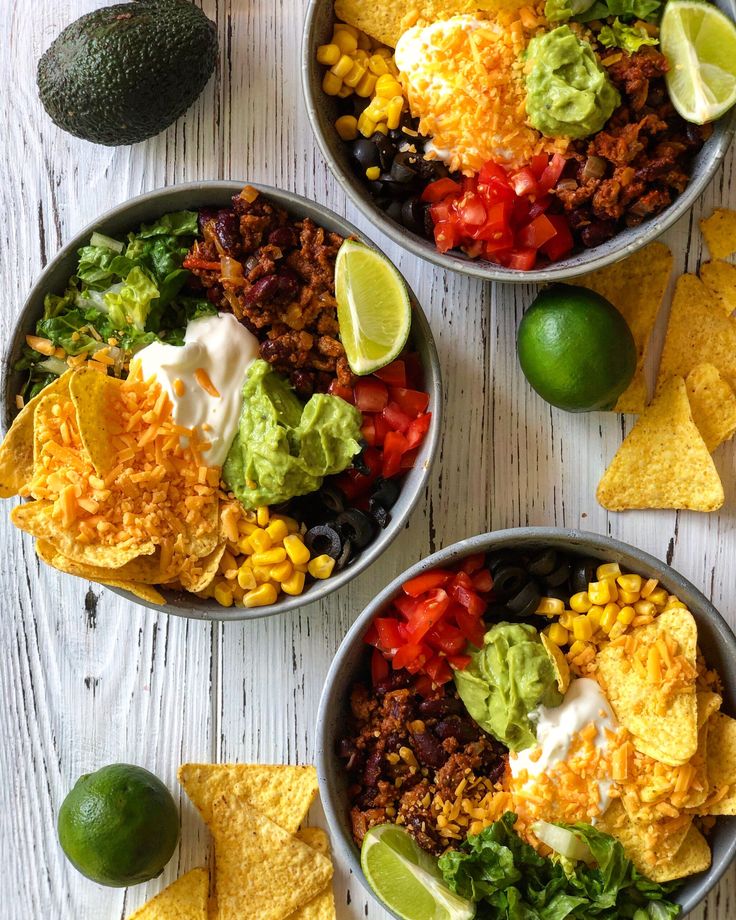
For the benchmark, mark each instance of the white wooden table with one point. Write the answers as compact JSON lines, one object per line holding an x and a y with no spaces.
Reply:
{"x":87,"y":679}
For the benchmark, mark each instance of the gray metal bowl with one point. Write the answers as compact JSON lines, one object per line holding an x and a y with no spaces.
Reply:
{"x":322,"y":111}
{"x":714,"y":637}
{"x":121,"y":220}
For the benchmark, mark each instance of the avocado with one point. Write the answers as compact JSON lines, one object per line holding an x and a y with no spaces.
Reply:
{"x":124,"y":73}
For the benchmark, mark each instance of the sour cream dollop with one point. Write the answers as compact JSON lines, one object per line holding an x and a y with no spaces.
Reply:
{"x":217,"y":349}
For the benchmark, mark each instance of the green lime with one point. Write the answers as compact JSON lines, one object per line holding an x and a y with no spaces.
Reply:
{"x":407,"y":879}
{"x":119,"y":826}
{"x":576,"y":349}
{"x":372,"y":307}
{"x":699,"y":41}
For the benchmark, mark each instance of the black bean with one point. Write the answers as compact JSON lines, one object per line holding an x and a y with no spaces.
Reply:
{"x":598,"y":232}
{"x":356,"y":527}
{"x":454,"y":727}
{"x":288,"y":284}
{"x":365,"y":153}
{"x":322,"y":539}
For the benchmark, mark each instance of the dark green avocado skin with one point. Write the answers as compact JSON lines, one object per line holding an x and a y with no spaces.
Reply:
{"x":124,"y":73}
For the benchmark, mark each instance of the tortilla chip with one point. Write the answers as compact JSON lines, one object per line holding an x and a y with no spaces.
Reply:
{"x":143,"y":569}
{"x":669,"y":735}
{"x":36,"y":518}
{"x":185,"y":899}
{"x":16,"y":450}
{"x":559,"y":663}
{"x":389,"y":20}
{"x":197,"y":578}
{"x":145,"y":592}
{"x":323,"y":906}
{"x":720,"y":280}
{"x":261,"y":870}
{"x":698,"y":332}
{"x":708,"y":702}
{"x":719,"y":231}
{"x":95,"y":399}
{"x":664,"y":461}
{"x":636,"y":287}
{"x":282,"y":793}
{"x":713,"y":405}
{"x":721,"y":766}
{"x":693,"y":856}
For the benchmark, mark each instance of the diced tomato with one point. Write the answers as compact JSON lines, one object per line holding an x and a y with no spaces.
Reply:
{"x":394,"y":374}
{"x":443,"y":211}
{"x":382,"y":429}
{"x":467,"y":597}
{"x":462,"y":579}
{"x":497,"y":225}
{"x":540,"y":205}
{"x":354,"y":483}
{"x":394,"y":445}
{"x":337,"y":389}
{"x":537,"y":233}
{"x":446,"y":638}
{"x":471,"y":210}
{"x":414,"y":369}
{"x":371,"y":395}
{"x":483,"y":581}
{"x":524,"y":182}
{"x":407,"y":606}
{"x":379,"y":667}
{"x":396,"y":418}
{"x":552,"y":172}
{"x":473,"y":249}
{"x":539,"y":164}
{"x":562,"y":242}
{"x":371,"y":635}
{"x":473,"y":563}
{"x":431,"y":609}
{"x":417,"y":429}
{"x":368,"y":430}
{"x":447,"y":235}
{"x":389,"y":638}
{"x":440,"y":189}
{"x":424,"y":687}
{"x":413,"y":654}
{"x":459,"y":661}
{"x":417,"y":586}
{"x":471,"y":627}
{"x":439,"y":670}
{"x":523,"y":259}
{"x":409,"y":459}
{"x":413,"y":402}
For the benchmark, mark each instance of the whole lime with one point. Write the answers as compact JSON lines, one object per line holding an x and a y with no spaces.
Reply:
{"x":119,"y":826}
{"x":576,"y":349}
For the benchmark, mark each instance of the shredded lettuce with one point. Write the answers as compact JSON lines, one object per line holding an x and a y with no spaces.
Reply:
{"x":511,"y":881}
{"x":562,"y":10}
{"x":588,"y":10}
{"x":629,"y":38}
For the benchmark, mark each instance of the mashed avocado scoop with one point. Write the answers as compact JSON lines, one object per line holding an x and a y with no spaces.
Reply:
{"x":506,"y":680}
{"x":283,"y":448}
{"x":568,"y":92}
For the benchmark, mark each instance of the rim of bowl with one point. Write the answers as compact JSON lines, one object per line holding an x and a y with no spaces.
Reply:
{"x":570,"y":540}
{"x":416,"y":478}
{"x":631,"y":239}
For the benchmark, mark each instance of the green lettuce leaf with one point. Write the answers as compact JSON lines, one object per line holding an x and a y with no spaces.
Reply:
{"x":131,"y":304}
{"x":629,"y":38}
{"x":177,"y":223}
{"x":100,"y":266}
{"x":562,"y":10}
{"x":647,"y":10}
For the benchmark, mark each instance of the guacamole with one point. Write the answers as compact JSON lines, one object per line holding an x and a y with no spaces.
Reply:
{"x":568,"y":92}
{"x":507,"y":679}
{"x":283,"y":448}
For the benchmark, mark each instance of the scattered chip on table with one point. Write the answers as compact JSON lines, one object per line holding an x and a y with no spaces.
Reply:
{"x":719,"y":231}
{"x":261,"y":870}
{"x":698,"y":332}
{"x":664,"y":461}
{"x":184,"y":899}
{"x":636,"y":287}
{"x":323,"y":906}
{"x":713,"y":405}
{"x":720,"y":280}
{"x":282,"y":793}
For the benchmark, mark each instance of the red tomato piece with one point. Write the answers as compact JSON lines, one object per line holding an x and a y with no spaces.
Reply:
{"x":368,"y":430}
{"x":469,"y":599}
{"x":539,"y":164}
{"x":346,"y":393}
{"x":409,"y":459}
{"x":471,"y":627}
{"x":394,"y":374}
{"x":524,"y":182}
{"x":394,"y":445}
{"x":446,"y":638}
{"x":447,"y":234}
{"x":523,"y":259}
{"x":424,"y":687}
{"x":418,"y":585}
{"x":431,"y":609}
{"x":408,"y":654}
{"x":562,"y":242}
{"x":416,"y":665}
{"x":406,"y":605}
{"x":371,"y":635}
{"x":371,"y":395}
{"x":389,"y":638}
{"x":379,"y":667}
{"x":459,"y":661}
{"x":382,"y":429}
{"x":483,"y":581}
{"x":472,"y":563}
{"x":413,"y":402}
{"x":417,"y":429}
{"x":537,"y":233}
{"x":396,"y":418}
{"x":440,"y":189}
{"x":541,"y":203}
{"x":549,"y":178}
{"x":439,"y":670}
{"x":471,"y":210}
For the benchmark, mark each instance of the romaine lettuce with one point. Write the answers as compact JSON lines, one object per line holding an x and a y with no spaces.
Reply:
{"x":629,"y":38}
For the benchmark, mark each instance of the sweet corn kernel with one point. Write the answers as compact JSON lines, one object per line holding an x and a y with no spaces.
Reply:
{"x":608,"y":570}
{"x":238,"y":592}
{"x":328,"y":54}
{"x":626,"y":615}
{"x":361,"y":55}
{"x":331,"y":85}
{"x":321,"y":566}
{"x":367,"y":85}
{"x":296,"y":550}
{"x":364,"y":42}
{"x":260,"y":541}
{"x":567,"y":619}
{"x":582,"y":628}
{"x":345,"y":91}
{"x":644,"y":608}
{"x":282,"y":571}
{"x":302,"y":567}
{"x":388,"y":86}
{"x":260,"y":596}
{"x":550,"y":606}
{"x":612,"y":587}
{"x":244,"y":546}
{"x":377,"y":65}
{"x":599,"y":592}
{"x":246,"y":578}
{"x":345,"y":41}
{"x":649,"y":585}
{"x":558,"y":634}
{"x":373,"y":173}
{"x":630,"y":582}
{"x":291,"y":524}
{"x":345,"y":27}
{"x":659,"y":597}
{"x":382,"y":128}
{"x":385,"y":53}
{"x":262,"y":573}
{"x":376,"y":109}
{"x":223,"y":595}
{"x":343,"y":67}
{"x":263,"y":516}
{"x":228,"y":563}
{"x":277,"y":530}
{"x":366,"y":125}
{"x":576,"y":648}
{"x":595,"y":614}
{"x":628,"y":597}
{"x":269,"y":557}
{"x":580,"y":602}
{"x":673,"y":601}
{"x":356,"y":74}
{"x":608,"y":620}
{"x":617,"y":630}
{"x":393,"y":112}
{"x":246,"y":528}
{"x":295,"y":584}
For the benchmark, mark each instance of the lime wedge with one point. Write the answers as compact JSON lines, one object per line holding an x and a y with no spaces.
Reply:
{"x":699,"y":41}
{"x":407,"y":879}
{"x":372,"y":307}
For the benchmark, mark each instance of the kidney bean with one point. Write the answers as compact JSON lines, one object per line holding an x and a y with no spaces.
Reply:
{"x":265,"y":289}
{"x":283,"y":237}
{"x":227,"y":231}
{"x":429,"y":750}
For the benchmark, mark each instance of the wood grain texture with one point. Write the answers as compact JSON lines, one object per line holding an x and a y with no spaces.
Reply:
{"x":87,"y":679}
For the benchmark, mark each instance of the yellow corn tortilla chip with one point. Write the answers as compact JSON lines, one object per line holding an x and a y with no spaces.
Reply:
{"x":95,"y":400}
{"x":198,"y":577}
{"x":664,"y":461}
{"x":636,"y":287}
{"x":719,"y":231}
{"x":693,"y":856}
{"x":184,"y":899}
{"x":721,"y":766}
{"x":323,"y":906}
{"x":666,"y":733}
{"x":708,"y":702}
{"x":389,"y":20}
{"x":559,"y":663}
{"x":282,"y":793}
{"x":143,"y":569}
{"x":16,"y":450}
{"x":712,"y":404}
{"x":261,"y":870}
{"x":698,"y":332}
{"x":720,"y":280}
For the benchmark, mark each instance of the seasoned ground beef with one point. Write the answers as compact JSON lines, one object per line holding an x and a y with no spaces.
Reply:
{"x":278,"y":277}
{"x":402,"y":750}
{"x":638,"y":164}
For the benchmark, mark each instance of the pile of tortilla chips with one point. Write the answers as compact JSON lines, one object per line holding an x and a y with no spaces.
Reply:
{"x":265,"y":866}
{"x":87,"y":454}
{"x":682,"y":766}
